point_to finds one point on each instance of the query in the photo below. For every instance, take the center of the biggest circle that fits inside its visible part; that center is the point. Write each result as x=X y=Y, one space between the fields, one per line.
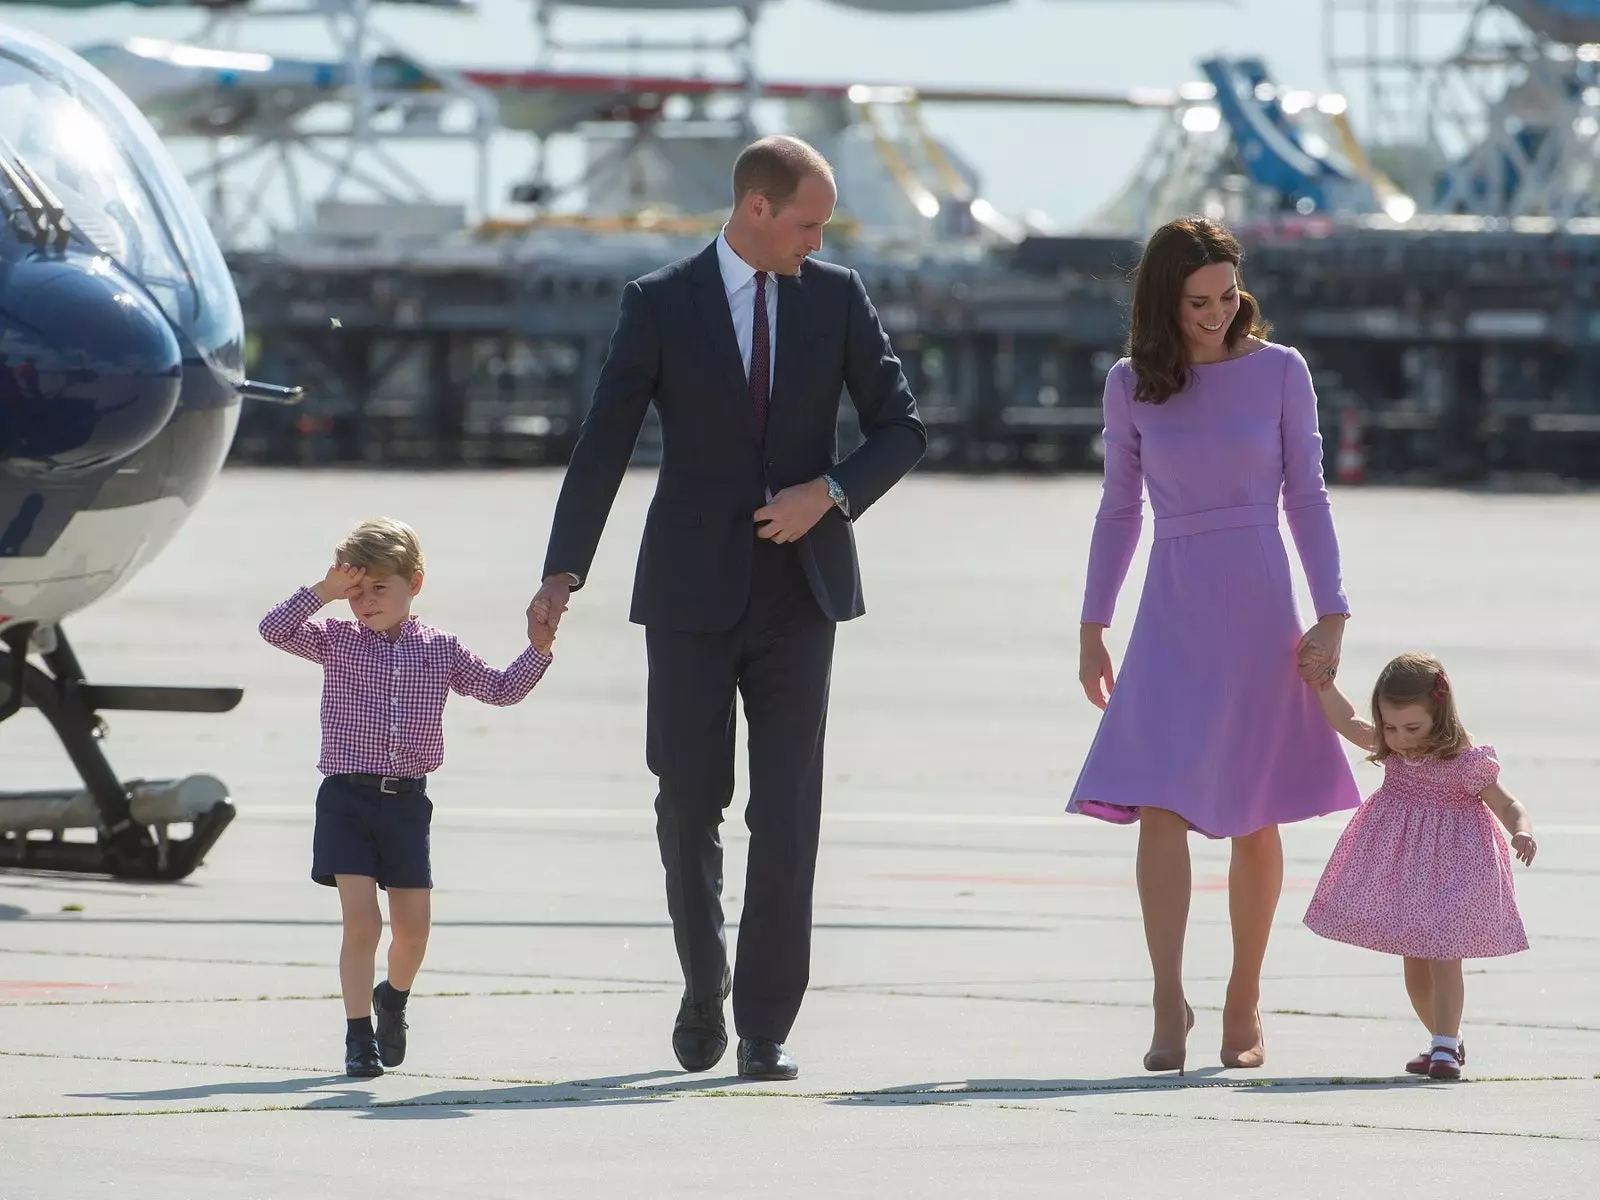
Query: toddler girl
x=1422 y=869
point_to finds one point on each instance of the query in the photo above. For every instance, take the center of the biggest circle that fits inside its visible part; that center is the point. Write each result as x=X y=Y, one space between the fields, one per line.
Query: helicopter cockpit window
x=99 y=156
x=217 y=326
x=73 y=151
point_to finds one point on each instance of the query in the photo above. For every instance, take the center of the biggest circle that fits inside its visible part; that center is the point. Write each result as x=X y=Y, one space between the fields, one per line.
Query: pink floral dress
x=1423 y=869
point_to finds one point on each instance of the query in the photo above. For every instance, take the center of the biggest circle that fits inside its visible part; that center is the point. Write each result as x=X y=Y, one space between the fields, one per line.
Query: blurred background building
x=431 y=209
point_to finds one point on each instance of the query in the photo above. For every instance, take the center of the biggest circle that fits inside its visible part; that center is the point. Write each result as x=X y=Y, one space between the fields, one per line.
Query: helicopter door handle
x=274 y=393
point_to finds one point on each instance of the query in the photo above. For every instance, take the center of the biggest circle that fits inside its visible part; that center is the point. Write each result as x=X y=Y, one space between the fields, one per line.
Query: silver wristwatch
x=836 y=494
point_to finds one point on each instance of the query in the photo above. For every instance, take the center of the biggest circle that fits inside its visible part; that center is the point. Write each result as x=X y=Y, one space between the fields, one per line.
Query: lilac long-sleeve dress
x=1209 y=717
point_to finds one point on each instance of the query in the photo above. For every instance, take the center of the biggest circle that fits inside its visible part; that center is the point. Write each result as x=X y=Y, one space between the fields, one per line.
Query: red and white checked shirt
x=383 y=701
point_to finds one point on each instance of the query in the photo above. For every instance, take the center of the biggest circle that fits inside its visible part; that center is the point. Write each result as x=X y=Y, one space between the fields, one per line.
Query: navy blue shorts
x=363 y=831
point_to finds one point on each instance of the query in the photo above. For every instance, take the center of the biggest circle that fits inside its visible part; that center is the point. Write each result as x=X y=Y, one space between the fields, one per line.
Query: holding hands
x=1318 y=653
x=1317 y=658
x=544 y=612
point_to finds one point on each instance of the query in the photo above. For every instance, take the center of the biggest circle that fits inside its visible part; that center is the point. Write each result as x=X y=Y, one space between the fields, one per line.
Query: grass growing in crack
x=193 y=960
x=264 y=998
x=1311 y=1122
x=1183 y=1085
x=1074 y=1002
x=154 y=1112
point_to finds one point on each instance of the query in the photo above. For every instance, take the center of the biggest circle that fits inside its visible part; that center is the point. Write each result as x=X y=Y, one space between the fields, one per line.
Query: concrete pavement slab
x=979 y=997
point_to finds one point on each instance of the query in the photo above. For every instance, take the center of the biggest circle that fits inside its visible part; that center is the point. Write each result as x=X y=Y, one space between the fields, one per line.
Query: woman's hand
x=1319 y=651
x=1094 y=665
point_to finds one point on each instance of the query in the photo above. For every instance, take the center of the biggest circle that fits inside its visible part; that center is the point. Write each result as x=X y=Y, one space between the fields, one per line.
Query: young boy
x=385 y=678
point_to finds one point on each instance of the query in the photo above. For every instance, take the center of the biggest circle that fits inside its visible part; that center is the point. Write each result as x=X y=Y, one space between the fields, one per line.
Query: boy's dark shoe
x=390 y=1020
x=361 y=1056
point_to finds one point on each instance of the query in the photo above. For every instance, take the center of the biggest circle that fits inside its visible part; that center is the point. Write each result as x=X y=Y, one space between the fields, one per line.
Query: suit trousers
x=779 y=658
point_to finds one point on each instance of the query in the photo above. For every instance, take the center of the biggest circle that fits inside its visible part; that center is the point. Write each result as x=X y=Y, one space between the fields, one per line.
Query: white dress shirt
x=739 y=278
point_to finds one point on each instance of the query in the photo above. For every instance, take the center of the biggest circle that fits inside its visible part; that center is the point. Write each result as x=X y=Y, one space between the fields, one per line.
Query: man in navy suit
x=748 y=563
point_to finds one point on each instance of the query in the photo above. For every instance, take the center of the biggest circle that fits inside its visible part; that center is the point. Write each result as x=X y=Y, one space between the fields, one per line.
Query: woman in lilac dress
x=1209 y=726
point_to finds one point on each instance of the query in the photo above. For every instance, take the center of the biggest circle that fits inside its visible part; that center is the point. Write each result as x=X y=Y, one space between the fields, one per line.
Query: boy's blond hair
x=382 y=546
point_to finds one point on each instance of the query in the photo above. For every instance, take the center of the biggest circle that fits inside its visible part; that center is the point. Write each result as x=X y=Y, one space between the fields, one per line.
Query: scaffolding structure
x=1486 y=108
x=730 y=52
x=1241 y=148
x=271 y=124
x=1516 y=119
x=1384 y=56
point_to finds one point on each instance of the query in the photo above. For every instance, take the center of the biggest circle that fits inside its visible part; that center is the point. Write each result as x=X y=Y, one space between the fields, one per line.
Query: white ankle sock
x=1441 y=1044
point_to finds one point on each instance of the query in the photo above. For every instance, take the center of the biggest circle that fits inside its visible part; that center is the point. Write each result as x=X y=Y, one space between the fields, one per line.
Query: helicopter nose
x=90 y=369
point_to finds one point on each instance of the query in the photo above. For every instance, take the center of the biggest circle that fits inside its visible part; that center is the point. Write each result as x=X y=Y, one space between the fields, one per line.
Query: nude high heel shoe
x=1252 y=1057
x=1171 y=1060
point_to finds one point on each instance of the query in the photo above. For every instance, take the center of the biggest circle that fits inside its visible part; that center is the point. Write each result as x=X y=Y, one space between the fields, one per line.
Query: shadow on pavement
x=968 y=1091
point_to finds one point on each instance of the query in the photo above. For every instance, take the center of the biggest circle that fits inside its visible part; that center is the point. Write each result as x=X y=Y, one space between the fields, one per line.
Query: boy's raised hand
x=342 y=582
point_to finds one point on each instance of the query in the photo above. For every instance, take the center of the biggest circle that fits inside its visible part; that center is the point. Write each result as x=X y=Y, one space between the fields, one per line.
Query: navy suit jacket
x=674 y=345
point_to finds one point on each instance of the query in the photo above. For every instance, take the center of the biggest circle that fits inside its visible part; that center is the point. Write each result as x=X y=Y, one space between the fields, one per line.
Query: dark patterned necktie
x=760 y=364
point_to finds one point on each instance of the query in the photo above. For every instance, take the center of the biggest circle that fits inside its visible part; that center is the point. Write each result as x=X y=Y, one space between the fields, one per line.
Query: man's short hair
x=774 y=166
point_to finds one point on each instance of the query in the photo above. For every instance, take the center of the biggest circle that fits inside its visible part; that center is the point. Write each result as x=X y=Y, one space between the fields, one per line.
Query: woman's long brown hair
x=1156 y=346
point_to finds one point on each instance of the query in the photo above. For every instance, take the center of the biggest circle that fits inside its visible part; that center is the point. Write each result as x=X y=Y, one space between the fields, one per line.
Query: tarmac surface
x=980 y=992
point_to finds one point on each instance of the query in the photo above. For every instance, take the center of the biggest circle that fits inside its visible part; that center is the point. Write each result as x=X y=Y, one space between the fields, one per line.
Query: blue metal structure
x=121 y=377
x=1526 y=149
x=1271 y=149
x=1574 y=22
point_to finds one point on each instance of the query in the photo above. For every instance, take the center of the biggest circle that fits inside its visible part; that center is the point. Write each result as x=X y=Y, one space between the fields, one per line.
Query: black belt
x=389 y=785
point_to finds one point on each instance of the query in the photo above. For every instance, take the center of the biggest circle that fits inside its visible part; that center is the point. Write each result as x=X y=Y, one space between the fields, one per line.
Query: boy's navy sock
x=361 y=1026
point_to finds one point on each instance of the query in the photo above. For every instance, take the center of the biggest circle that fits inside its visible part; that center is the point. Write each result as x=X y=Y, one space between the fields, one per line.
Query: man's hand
x=544 y=611
x=793 y=511
x=341 y=583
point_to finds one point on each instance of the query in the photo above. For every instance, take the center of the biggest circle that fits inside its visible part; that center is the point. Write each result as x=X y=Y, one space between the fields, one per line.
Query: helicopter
x=121 y=381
